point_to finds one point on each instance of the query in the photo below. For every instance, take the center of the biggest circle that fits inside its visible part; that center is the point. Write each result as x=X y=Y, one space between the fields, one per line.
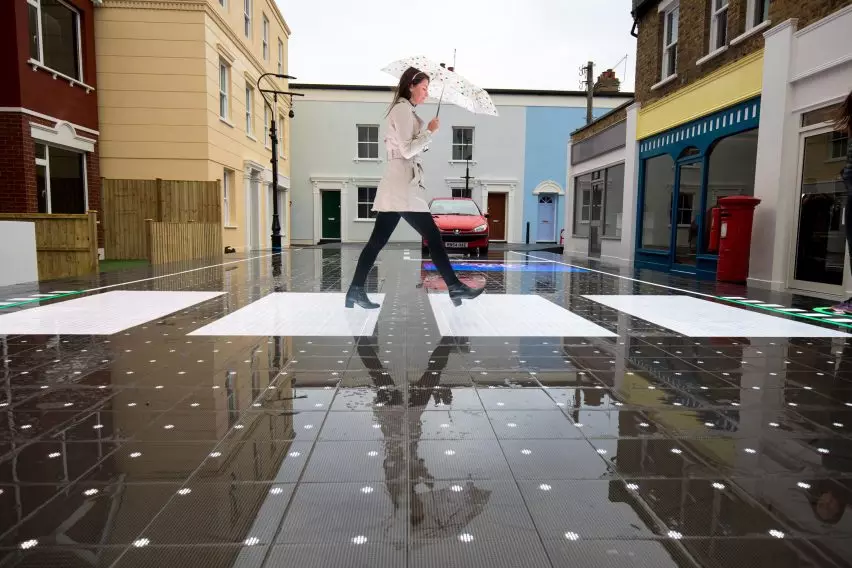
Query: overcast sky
x=523 y=44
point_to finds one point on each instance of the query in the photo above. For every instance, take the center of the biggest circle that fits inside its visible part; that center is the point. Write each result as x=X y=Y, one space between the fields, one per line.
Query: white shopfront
x=799 y=241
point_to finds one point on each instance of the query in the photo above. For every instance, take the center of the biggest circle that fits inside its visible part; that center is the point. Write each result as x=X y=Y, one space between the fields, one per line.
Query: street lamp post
x=273 y=133
x=467 y=176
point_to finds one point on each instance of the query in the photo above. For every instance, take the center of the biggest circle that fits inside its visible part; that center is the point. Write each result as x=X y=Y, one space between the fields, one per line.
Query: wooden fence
x=174 y=242
x=66 y=245
x=129 y=203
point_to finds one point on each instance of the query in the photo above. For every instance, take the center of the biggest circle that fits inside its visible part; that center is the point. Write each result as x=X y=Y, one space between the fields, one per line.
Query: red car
x=464 y=228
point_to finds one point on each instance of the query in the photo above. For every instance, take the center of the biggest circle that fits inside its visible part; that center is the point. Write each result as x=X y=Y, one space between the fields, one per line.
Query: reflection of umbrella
x=443 y=513
x=446 y=85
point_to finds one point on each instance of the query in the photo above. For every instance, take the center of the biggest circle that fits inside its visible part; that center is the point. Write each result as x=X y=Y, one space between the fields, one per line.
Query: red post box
x=737 y=217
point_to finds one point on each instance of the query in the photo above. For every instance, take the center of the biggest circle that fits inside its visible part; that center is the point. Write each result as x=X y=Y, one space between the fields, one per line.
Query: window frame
x=462 y=145
x=265 y=37
x=841 y=137
x=280 y=128
x=267 y=135
x=752 y=13
x=280 y=57
x=45 y=162
x=718 y=24
x=682 y=209
x=81 y=78
x=247 y=18
x=224 y=90
x=368 y=143
x=249 y=110
x=359 y=202
x=670 y=50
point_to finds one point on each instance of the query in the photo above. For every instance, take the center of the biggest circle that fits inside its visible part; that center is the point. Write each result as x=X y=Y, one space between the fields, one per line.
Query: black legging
x=386 y=222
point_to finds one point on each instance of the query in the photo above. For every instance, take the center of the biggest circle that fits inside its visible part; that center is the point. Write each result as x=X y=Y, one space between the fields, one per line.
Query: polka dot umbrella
x=446 y=85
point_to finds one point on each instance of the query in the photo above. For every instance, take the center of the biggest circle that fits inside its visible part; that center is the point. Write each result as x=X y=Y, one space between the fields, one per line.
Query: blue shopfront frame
x=700 y=134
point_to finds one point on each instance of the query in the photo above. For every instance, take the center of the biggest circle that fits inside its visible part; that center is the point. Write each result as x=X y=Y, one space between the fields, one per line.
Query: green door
x=331 y=215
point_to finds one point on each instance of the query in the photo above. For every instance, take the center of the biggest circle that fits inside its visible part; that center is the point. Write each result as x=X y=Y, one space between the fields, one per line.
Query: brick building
x=48 y=107
x=702 y=70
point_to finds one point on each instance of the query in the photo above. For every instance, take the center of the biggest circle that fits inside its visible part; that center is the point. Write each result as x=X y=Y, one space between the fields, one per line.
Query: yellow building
x=178 y=99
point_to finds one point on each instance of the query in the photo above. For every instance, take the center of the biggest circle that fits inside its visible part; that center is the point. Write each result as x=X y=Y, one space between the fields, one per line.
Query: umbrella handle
x=441 y=100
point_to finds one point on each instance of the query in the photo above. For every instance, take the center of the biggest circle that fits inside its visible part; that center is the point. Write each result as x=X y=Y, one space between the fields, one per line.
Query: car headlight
x=480 y=229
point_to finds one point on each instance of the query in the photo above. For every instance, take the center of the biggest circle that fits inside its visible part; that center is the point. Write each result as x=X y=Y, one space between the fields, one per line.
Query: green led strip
x=40 y=299
x=803 y=315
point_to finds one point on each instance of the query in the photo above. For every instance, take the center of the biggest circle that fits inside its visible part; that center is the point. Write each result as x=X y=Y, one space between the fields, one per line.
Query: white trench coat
x=401 y=188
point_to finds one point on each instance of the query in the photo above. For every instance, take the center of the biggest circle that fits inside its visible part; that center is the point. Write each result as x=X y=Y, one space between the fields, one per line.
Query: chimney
x=607 y=82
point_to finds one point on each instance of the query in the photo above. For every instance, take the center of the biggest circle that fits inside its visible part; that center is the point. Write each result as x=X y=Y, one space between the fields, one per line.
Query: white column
x=775 y=168
x=568 y=245
x=317 y=214
x=629 y=206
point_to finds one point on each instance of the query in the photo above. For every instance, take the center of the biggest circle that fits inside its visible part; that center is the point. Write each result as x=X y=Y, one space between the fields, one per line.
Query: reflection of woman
x=828 y=501
x=401 y=194
x=844 y=124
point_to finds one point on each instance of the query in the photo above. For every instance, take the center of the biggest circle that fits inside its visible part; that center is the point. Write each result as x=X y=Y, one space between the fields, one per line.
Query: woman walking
x=844 y=124
x=401 y=194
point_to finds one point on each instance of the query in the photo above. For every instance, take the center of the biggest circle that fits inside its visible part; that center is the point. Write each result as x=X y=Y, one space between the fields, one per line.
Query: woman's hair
x=411 y=77
x=843 y=120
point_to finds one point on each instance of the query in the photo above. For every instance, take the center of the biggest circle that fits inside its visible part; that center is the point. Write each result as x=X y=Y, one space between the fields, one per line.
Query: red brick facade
x=694 y=39
x=40 y=94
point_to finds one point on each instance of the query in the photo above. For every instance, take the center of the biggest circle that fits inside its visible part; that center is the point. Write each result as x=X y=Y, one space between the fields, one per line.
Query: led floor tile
x=100 y=314
x=297 y=314
x=700 y=318
x=510 y=315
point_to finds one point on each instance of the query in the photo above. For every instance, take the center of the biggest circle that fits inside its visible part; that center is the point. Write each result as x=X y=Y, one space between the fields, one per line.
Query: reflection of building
x=700 y=98
x=179 y=100
x=49 y=107
x=517 y=163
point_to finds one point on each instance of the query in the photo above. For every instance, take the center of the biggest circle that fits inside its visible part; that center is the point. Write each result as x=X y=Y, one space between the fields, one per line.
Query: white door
x=546 y=219
x=818 y=253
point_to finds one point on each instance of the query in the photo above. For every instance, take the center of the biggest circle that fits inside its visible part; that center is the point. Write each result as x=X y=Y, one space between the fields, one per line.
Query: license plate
x=456 y=245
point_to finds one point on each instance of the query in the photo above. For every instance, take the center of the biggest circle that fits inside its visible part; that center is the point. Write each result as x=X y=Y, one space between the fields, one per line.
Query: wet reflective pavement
x=402 y=447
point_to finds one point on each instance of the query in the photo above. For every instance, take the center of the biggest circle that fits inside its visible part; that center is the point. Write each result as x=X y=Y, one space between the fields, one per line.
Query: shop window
x=54 y=30
x=60 y=180
x=582 y=204
x=366 y=197
x=613 y=201
x=731 y=169
x=658 y=184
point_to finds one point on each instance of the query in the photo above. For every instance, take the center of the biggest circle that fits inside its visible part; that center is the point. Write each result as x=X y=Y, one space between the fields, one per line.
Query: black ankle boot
x=357 y=295
x=461 y=291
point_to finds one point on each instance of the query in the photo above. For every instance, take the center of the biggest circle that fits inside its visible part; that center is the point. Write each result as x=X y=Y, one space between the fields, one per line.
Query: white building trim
x=548 y=186
x=63 y=135
x=330 y=183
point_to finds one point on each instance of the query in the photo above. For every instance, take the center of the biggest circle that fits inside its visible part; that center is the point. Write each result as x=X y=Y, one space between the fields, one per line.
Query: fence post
x=149 y=247
x=159 y=200
x=93 y=241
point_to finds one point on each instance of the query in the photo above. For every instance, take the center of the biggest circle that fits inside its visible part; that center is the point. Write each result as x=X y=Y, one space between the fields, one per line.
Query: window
x=267 y=141
x=460 y=192
x=366 y=196
x=670 y=29
x=462 y=143
x=249 y=109
x=758 y=12
x=280 y=127
x=60 y=180
x=839 y=146
x=718 y=24
x=368 y=142
x=54 y=29
x=684 y=209
x=247 y=18
x=280 y=57
x=265 y=38
x=224 y=89
x=820 y=115
x=598 y=198
x=223 y=3
x=227 y=188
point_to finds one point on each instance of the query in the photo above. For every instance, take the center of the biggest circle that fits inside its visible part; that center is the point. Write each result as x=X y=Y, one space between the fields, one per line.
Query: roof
x=641 y=6
x=387 y=88
x=603 y=116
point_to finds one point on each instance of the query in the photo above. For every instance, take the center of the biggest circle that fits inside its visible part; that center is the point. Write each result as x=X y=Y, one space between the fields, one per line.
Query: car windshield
x=454 y=207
